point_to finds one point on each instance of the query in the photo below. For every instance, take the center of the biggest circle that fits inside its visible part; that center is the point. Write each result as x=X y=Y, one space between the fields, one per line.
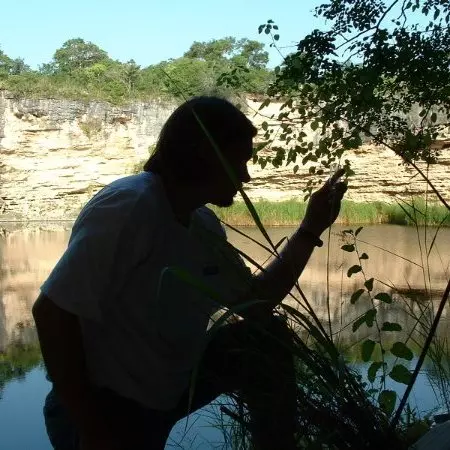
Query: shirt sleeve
x=104 y=245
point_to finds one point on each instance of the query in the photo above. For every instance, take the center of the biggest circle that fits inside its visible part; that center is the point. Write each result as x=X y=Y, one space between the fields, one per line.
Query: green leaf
x=355 y=296
x=370 y=317
x=358 y=230
x=391 y=326
x=348 y=248
x=384 y=297
x=358 y=322
x=364 y=256
x=314 y=125
x=433 y=117
x=401 y=350
x=367 y=349
x=400 y=374
x=369 y=284
x=276 y=37
x=265 y=103
x=387 y=400
x=373 y=369
x=353 y=269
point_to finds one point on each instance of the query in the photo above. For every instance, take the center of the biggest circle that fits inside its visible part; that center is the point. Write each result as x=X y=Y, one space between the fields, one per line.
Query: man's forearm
x=62 y=349
x=283 y=272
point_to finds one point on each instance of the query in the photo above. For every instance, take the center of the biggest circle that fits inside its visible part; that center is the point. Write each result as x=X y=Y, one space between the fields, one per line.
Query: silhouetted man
x=123 y=317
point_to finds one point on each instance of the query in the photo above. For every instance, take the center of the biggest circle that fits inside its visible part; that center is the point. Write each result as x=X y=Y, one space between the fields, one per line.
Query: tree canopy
x=380 y=71
x=77 y=54
x=229 y=50
x=9 y=66
x=81 y=69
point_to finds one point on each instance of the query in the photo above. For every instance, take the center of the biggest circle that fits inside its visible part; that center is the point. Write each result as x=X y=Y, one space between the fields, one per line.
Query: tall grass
x=290 y=212
x=336 y=409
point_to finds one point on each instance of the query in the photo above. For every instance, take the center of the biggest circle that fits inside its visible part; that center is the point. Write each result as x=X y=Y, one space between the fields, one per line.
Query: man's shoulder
x=143 y=184
x=136 y=195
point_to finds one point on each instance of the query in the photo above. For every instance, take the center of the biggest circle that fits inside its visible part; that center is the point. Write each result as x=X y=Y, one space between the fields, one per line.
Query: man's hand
x=324 y=205
x=283 y=272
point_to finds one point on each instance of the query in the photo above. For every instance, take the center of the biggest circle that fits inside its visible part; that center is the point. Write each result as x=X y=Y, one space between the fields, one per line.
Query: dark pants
x=242 y=358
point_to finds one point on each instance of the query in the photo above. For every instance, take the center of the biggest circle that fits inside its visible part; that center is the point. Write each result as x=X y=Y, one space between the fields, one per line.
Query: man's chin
x=223 y=203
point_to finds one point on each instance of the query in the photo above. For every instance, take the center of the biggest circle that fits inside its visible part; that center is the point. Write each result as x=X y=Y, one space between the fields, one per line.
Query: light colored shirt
x=144 y=288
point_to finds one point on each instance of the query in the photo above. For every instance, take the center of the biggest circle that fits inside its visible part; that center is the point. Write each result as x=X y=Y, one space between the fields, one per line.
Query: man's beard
x=224 y=203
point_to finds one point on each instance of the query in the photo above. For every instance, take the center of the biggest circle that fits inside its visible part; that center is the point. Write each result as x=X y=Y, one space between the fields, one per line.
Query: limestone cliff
x=55 y=154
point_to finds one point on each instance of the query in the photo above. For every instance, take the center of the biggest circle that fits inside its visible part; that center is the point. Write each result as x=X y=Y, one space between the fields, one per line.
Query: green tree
x=130 y=74
x=5 y=63
x=212 y=51
x=94 y=73
x=77 y=54
x=187 y=76
x=152 y=80
x=250 y=53
x=47 y=68
x=9 y=66
x=19 y=67
x=238 y=65
x=80 y=69
x=244 y=51
x=361 y=79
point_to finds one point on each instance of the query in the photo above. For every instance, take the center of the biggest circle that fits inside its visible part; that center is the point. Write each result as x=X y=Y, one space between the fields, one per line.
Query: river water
x=397 y=260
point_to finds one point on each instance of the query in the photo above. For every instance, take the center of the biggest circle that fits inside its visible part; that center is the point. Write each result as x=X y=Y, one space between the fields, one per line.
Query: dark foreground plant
x=363 y=79
x=380 y=73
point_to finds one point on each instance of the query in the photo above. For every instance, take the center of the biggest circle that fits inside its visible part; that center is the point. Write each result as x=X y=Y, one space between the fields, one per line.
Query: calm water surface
x=28 y=255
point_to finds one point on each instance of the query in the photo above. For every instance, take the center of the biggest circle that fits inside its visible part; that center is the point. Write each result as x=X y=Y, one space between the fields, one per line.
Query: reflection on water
x=395 y=261
x=27 y=257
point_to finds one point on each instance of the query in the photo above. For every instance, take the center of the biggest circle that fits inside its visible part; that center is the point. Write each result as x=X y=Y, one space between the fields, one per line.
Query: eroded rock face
x=379 y=173
x=55 y=154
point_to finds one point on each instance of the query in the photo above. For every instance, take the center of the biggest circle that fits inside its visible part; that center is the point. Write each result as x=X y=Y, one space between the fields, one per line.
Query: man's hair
x=183 y=141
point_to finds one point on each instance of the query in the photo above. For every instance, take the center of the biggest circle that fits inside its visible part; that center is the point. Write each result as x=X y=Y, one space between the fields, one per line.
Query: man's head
x=185 y=152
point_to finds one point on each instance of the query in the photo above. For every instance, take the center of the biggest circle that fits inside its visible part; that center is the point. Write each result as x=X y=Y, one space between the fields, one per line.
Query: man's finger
x=336 y=192
x=335 y=177
x=340 y=188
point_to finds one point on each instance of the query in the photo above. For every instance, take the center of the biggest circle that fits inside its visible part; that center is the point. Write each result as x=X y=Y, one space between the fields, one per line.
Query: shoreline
x=290 y=212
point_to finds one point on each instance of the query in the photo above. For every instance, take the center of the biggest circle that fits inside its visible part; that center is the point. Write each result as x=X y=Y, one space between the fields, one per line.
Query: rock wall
x=379 y=173
x=55 y=154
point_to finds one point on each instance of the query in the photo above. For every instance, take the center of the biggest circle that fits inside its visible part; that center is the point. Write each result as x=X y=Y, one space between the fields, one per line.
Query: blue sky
x=147 y=31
